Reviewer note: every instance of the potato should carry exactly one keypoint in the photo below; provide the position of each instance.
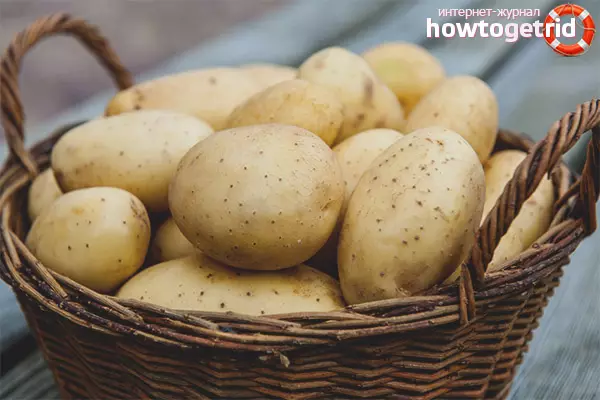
(42, 192)
(357, 153)
(367, 102)
(535, 215)
(98, 236)
(202, 284)
(464, 104)
(258, 197)
(169, 243)
(137, 151)
(412, 217)
(409, 70)
(294, 102)
(270, 74)
(209, 94)
(354, 155)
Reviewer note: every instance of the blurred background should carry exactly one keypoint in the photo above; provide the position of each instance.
(143, 33)
(61, 83)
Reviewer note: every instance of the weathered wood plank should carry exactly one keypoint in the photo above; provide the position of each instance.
(29, 380)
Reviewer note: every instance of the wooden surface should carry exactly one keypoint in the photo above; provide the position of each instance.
(534, 87)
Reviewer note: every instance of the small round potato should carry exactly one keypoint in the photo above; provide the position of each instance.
(137, 152)
(412, 217)
(407, 69)
(202, 284)
(98, 236)
(169, 243)
(209, 94)
(258, 197)
(42, 192)
(296, 102)
(464, 104)
(267, 75)
(535, 215)
(367, 102)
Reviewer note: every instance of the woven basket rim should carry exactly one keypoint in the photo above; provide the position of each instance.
(438, 307)
(462, 302)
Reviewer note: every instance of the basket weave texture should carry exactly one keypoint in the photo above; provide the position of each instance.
(459, 341)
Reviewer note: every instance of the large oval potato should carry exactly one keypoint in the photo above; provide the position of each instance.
(409, 70)
(258, 197)
(368, 103)
(535, 215)
(412, 217)
(267, 75)
(202, 284)
(98, 237)
(169, 243)
(296, 102)
(137, 152)
(42, 192)
(209, 94)
(464, 104)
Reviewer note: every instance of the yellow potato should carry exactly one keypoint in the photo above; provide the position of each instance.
(294, 102)
(169, 243)
(202, 284)
(409, 70)
(270, 74)
(534, 217)
(98, 237)
(209, 94)
(42, 192)
(464, 104)
(258, 197)
(354, 155)
(367, 102)
(412, 217)
(137, 151)
(357, 153)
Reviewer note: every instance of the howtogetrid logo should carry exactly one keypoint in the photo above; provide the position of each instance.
(553, 29)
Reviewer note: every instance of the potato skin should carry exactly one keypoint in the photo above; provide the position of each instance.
(464, 104)
(296, 102)
(258, 197)
(202, 284)
(137, 152)
(43, 191)
(266, 75)
(97, 236)
(412, 217)
(409, 70)
(209, 94)
(354, 155)
(535, 215)
(169, 243)
(367, 102)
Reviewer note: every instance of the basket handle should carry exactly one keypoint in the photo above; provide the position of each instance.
(10, 98)
(541, 160)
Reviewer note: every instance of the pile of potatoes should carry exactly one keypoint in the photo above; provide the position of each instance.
(266, 189)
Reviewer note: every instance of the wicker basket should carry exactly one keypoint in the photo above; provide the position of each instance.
(458, 341)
